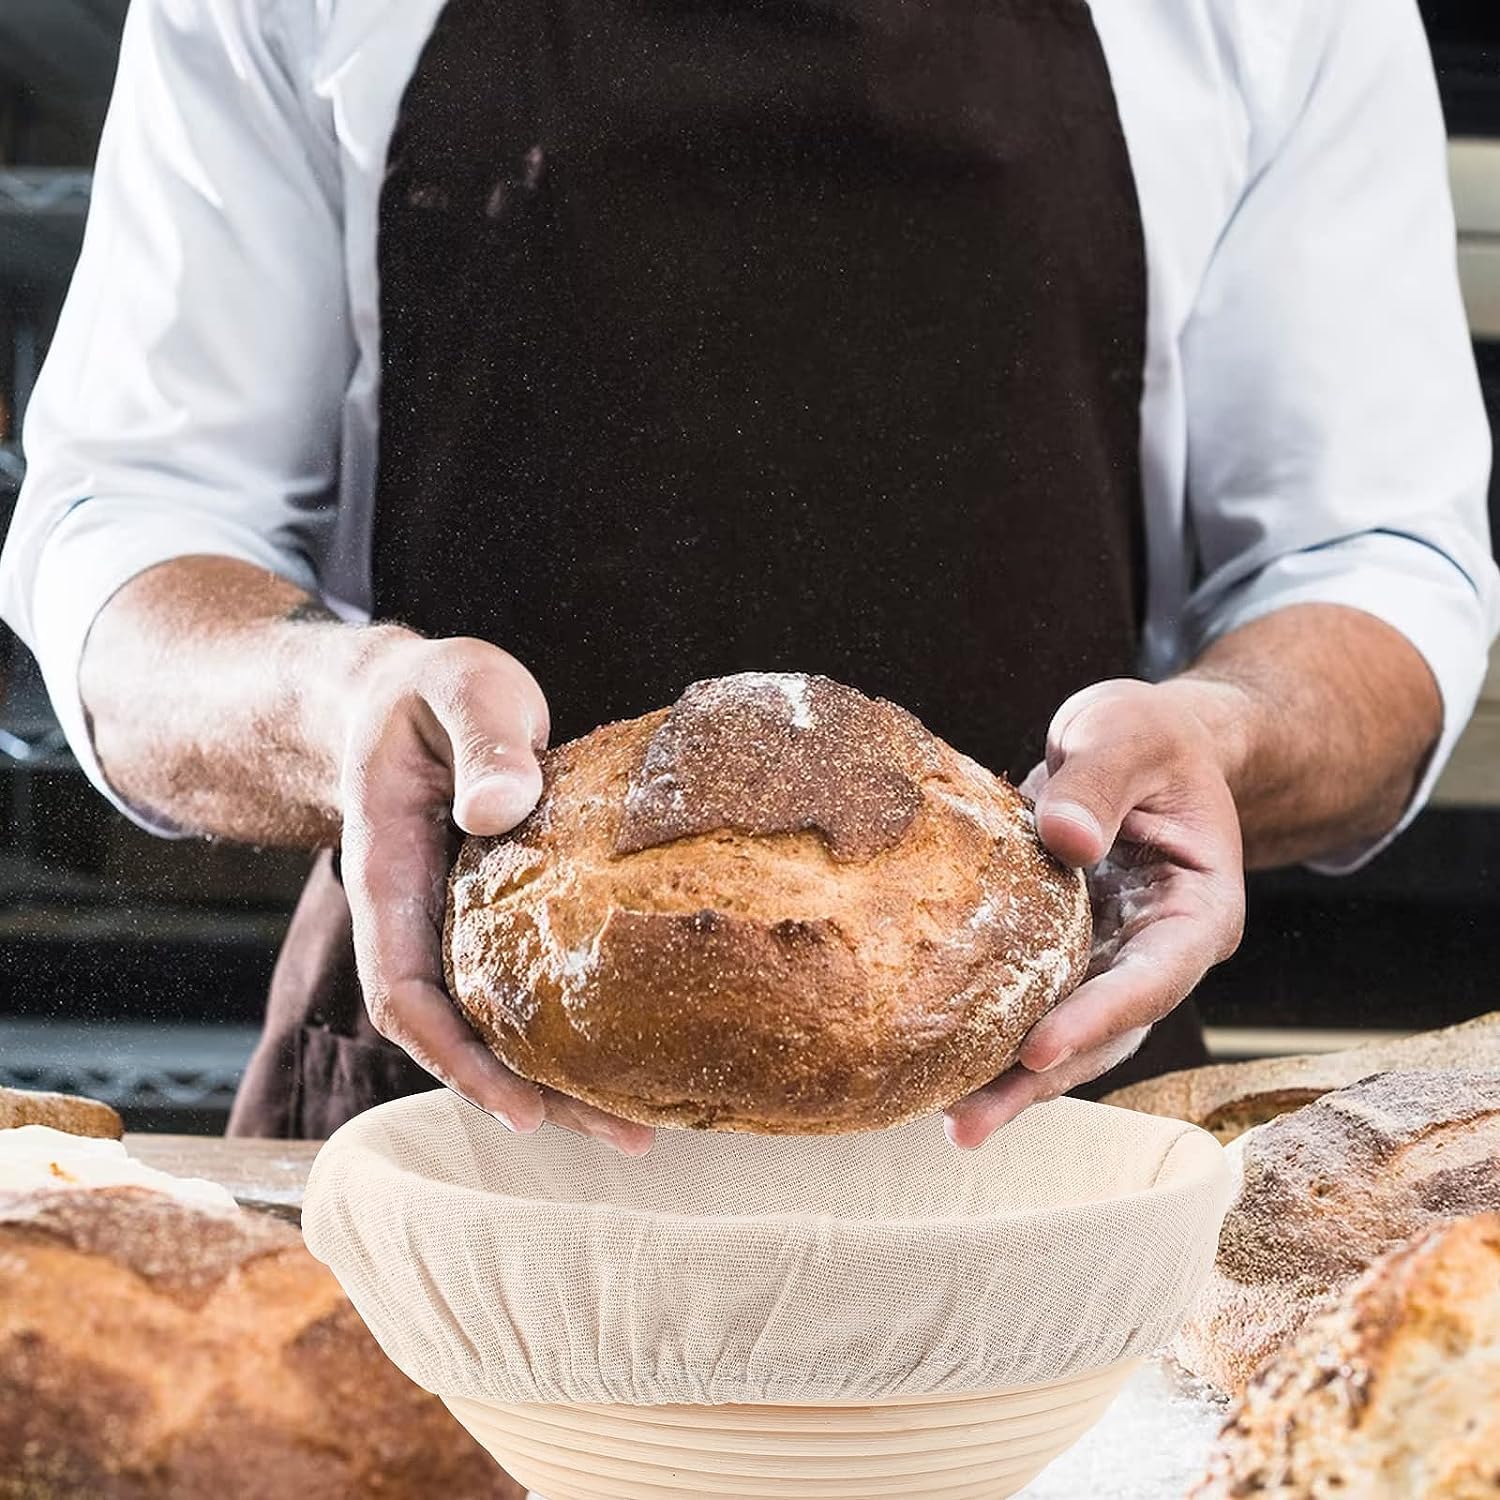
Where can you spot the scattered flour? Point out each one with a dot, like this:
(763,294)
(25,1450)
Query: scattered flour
(578,963)
(571,966)
(984,913)
(38,1159)
(1150,1445)
(648,790)
(792,686)
(1048,962)
(988,818)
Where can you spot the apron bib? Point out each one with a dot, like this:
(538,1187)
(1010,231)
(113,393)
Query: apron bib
(724,335)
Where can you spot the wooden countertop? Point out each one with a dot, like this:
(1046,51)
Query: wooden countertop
(270,1175)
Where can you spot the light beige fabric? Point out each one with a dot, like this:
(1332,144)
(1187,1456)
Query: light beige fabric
(736,1268)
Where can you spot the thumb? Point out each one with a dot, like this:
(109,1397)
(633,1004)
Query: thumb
(1079,827)
(496,721)
(495,789)
(1101,765)
(1036,779)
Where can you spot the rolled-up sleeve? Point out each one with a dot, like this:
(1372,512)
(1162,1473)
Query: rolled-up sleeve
(1339,450)
(190,402)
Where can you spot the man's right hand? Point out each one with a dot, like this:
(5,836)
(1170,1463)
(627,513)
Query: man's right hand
(438,727)
(280,725)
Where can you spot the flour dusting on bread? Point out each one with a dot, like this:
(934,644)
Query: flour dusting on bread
(778,905)
(1327,1190)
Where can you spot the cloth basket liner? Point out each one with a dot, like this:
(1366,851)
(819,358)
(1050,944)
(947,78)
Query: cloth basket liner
(726,1268)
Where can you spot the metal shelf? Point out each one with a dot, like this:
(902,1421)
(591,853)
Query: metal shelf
(146,1069)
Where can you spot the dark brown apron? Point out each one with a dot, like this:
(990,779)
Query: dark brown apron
(749,334)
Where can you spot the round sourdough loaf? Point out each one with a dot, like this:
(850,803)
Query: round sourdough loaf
(1392,1393)
(1328,1189)
(155,1349)
(67,1112)
(778,906)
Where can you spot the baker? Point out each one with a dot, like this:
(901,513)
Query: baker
(441,377)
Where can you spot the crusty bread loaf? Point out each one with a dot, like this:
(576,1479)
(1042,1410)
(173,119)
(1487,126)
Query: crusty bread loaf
(151,1350)
(1391,1394)
(1231,1098)
(778,906)
(69,1112)
(1328,1189)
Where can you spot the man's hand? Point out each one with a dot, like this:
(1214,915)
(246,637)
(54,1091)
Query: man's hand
(1134,789)
(438,727)
(1302,733)
(1306,729)
(280,725)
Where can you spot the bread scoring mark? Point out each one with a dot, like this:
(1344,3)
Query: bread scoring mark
(763,753)
(972,802)
(572,965)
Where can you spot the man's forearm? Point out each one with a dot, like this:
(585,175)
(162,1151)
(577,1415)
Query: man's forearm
(218,693)
(1325,718)
(216,696)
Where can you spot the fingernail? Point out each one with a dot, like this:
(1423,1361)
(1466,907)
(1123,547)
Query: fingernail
(1056,1062)
(501,782)
(1073,813)
(626,1145)
(504,798)
(515,1126)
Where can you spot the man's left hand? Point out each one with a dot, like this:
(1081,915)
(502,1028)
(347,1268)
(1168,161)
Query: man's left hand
(1133,789)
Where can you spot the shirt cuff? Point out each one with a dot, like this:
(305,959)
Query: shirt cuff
(97,548)
(1417,590)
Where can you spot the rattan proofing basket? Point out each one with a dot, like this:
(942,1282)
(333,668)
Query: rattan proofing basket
(876,1315)
(943,1448)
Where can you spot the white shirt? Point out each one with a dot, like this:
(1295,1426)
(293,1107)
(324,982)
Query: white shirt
(1312,426)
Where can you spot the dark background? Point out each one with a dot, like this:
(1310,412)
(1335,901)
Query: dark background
(135,968)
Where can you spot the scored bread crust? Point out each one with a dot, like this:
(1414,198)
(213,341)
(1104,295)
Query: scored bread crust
(70,1113)
(1328,1189)
(1228,1099)
(1393,1393)
(779,906)
(150,1348)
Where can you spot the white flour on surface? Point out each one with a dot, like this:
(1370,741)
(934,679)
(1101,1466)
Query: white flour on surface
(1150,1445)
(38,1159)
